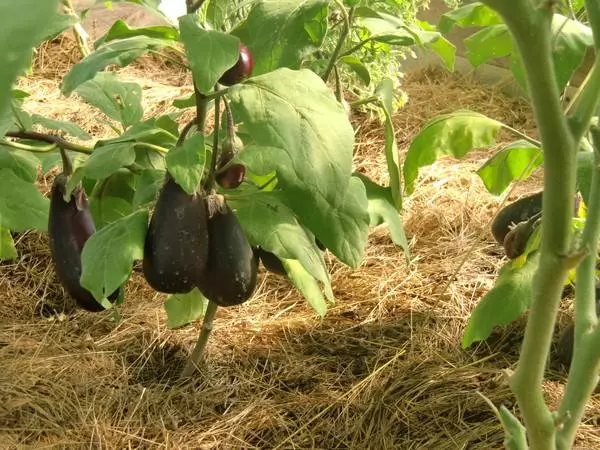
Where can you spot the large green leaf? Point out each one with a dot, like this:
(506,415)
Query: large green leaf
(121,53)
(22,207)
(475,14)
(279,33)
(306,284)
(147,186)
(8,250)
(210,53)
(24,25)
(358,67)
(514,162)
(120,30)
(112,198)
(506,301)
(453,134)
(61,125)
(296,128)
(119,100)
(24,164)
(491,42)
(186,163)
(108,255)
(185,308)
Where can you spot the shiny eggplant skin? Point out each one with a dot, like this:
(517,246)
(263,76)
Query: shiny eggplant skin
(519,211)
(70,224)
(231,272)
(176,247)
(271,262)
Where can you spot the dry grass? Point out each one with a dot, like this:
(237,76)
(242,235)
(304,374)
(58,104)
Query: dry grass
(383,370)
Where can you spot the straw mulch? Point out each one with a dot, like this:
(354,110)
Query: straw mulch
(384,369)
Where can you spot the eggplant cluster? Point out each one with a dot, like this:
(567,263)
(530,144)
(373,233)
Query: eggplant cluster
(196,241)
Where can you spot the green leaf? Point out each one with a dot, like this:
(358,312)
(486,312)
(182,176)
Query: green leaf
(491,42)
(472,15)
(385,91)
(382,210)
(108,159)
(120,30)
(22,207)
(108,255)
(211,53)
(23,163)
(453,134)
(185,308)
(358,67)
(186,163)
(8,250)
(147,131)
(514,162)
(185,102)
(58,24)
(445,49)
(119,100)
(280,33)
(296,128)
(147,187)
(585,168)
(506,301)
(306,284)
(24,25)
(121,53)
(61,125)
(112,198)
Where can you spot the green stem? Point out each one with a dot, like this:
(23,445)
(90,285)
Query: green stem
(340,43)
(186,129)
(29,148)
(584,366)
(78,30)
(210,182)
(530,26)
(522,135)
(50,139)
(364,101)
(585,104)
(207,325)
(339,90)
(217,94)
(156,148)
(356,47)
(66,162)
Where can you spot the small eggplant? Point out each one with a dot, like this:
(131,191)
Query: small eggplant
(519,211)
(232,176)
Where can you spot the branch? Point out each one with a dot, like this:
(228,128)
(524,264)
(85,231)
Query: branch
(207,325)
(50,139)
(338,48)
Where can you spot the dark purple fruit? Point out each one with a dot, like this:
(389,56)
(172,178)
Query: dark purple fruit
(519,211)
(515,241)
(242,69)
(271,262)
(70,225)
(230,276)
(176,248)
(231,177)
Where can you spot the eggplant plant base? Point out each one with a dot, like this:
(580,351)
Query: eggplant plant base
(272,376)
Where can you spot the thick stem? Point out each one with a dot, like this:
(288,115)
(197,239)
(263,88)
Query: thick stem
(207,325)
(530,27)
(66,162)
(340,43)
(50,139)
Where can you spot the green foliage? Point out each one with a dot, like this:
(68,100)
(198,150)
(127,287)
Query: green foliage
(22,207)
(112,198)
(7,245)
(186,163)
(182,309)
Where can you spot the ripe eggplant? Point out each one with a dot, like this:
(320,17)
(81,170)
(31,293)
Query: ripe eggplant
(271,262)
(176,247)
(70,224)
(241,70)
(230,276)
(519,211)
(232,176)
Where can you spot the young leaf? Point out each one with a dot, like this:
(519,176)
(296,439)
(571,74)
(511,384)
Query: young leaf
(514,162)
(108,159)
(300,131)
(385,91)
(24,164)
(61,125)
(306,284)
(8,250)
(290,29)
(382,210)
(210,53)
(108,255)
(120,30)
(147,186)
(24,26)
(505,302)
(445,49)
(494,41)
(451,134)
(119,100)
(475,14)
(121,53)
(182,309)
(112,198)
(186,163)
(22,207)
(358,67)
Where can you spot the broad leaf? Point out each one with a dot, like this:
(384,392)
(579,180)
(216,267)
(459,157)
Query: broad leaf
(453,134)
(358,67)
(296,128)
(182,309)
(119,100)
(506,301)
(147,131)
(186,163)
(24,25)
(108,159)
(23,163)
(112,198)
(61,125)
(210,53)
(22,207)
(120,30)
(58,24)
(472,15)
(514,162)
(147,187)
(108,255)
(8,250)
(121,53)
(491,42)
(279,33)
(306,284)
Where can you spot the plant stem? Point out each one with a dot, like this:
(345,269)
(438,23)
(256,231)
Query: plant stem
(210,182)
(50,139)
(339,90)
(585,103)
(156,148)
(78,30)
(186,129)
(207,326)
(340,43)
(364,101)
(584,366)
(66,162)
(521,135)
(530,26)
